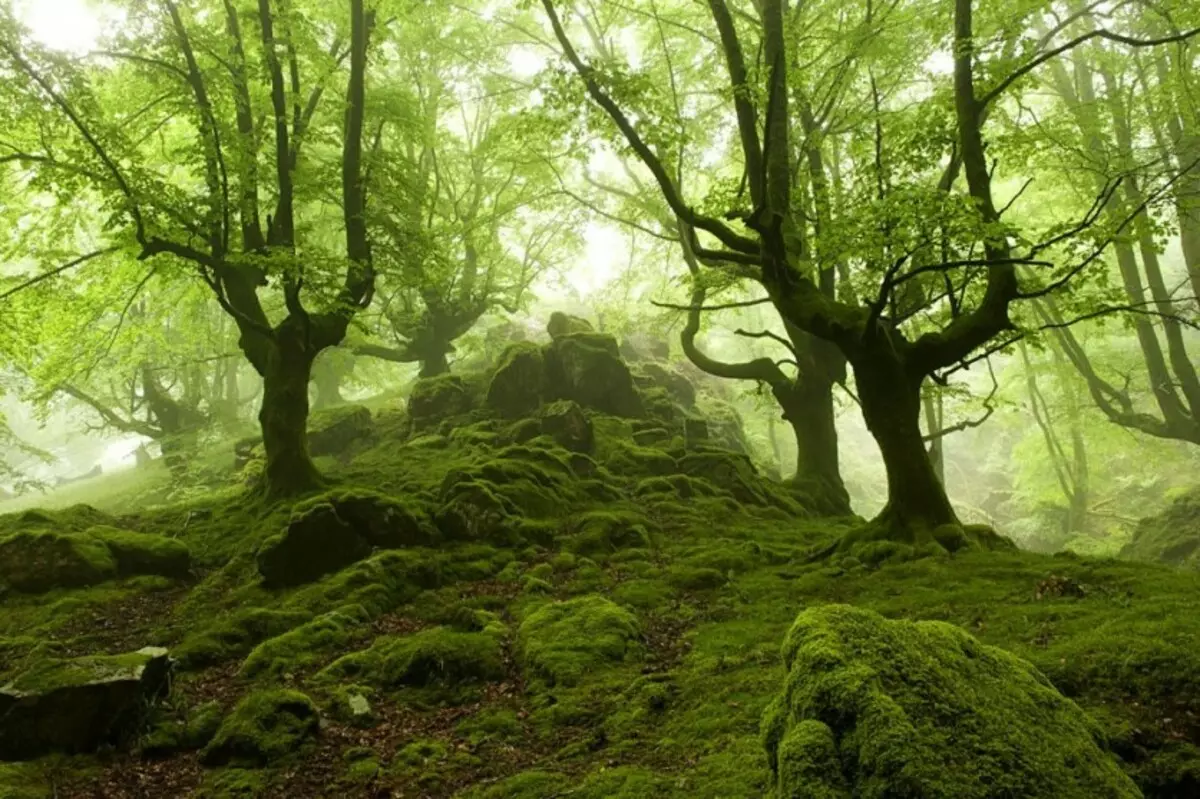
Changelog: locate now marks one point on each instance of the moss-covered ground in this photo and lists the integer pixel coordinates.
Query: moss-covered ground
(593, 627)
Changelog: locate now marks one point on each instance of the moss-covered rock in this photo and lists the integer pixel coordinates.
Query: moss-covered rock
(678, 387)
(566, 423)
(35, 561)
(517, 385)
(145, 553)
(586, 367)
(562, 324)
(878, 708)
(303, 646)
(264, 727)
(438, 656)
(605, 532)
(235, 634)
(1172, 536)
(434, 399)
(315, 542)
(76, 705)
(382, 521)
(190, 732)
(560, 642)
(729, 470)
(335, 430)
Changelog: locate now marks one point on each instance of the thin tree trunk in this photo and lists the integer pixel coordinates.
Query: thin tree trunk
(934, 413)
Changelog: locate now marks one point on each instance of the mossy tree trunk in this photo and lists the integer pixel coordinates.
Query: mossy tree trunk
(808, 407)
(284, 419)
(891, 404)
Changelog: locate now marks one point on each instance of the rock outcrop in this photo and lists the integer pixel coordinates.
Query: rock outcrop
(77, 705)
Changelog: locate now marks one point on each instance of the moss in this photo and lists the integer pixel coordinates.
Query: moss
(265, 726)
(517, 386)
(36, 561)
(145, 553)
(642, 594)
(193, 731)
(923, 709)
(604, 532)
(439, 656)
(235, 636)
(306, 645)
(315, 542)
(498, 724)
(434, 399)
(383, 521)
(562, 641)
(234, 783)
(693, 578)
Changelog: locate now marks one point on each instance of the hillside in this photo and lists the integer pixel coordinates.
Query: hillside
(514, 592)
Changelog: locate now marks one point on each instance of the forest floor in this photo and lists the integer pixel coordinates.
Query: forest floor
(620, 639)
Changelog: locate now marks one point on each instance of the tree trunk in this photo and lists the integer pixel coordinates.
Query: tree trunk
(434, 361)
(808, 407)
(284, 419)
(891, 404)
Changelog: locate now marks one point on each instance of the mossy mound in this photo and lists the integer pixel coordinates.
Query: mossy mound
(335, 430)
(435, 399)
(1172, 536)
(561, 642)
(303, 646)
(36, 561)
(315, 542)
(562, 324)
(605, 532)
(144, 553)
(264, 727)
(879, 708)
(440, 656)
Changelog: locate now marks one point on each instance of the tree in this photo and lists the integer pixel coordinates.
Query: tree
(465, 207)
(890, 361)
(209, 206)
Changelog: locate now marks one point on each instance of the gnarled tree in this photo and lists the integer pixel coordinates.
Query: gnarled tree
(209, 206)
(959, 237)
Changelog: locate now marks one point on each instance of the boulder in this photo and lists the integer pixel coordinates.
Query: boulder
(330, 532)
(265, 726)
(316, 542)
(568, 425)
(36, 561)
(872, 707)
(562, 324)
(586, 367)
(333, 431)
(561, 642)
(678, 387)
(517, 387)
(434, 399)
(383, 521)
(145, 553)
(77, 705)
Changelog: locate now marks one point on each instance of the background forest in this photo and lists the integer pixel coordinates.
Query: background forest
(496, 381)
